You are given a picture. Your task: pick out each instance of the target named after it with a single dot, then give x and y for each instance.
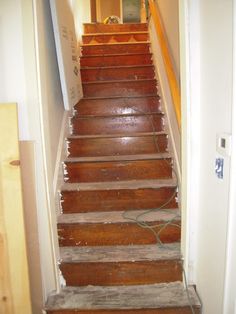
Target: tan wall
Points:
(106, 8)
(169, 10)
(82, 14)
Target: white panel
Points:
(67, 54)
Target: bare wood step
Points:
(116, 146)
(127, 185)
(77, 201)
(165, 298)
(120, 88)
(116, 125)
(105, 28)
(120, 253)
(115, 59)
(118, 105)
(117, 73)
(115, 48)
(115, 37)
(117, 228)
(117, 170)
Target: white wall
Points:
(82, 14)
(213, 52)
(169, 10)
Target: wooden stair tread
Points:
(162, 215)
(120, 253)
(129, 184)
(119, 97)
(115, 33)
(114, 55)
(115, 43)
(123, 297)
(119, 158)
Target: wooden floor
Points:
(120, 225)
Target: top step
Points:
(114, 28)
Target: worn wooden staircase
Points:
(119, 231)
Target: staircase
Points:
(119, 231)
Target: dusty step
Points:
(79, 201)
(115, 48)
(117, 106)
(117, 73)
(119, 88)
(108, 28)
(165, 298)
(116, 146)
(117, 170)
(117, 59)
(113, 37)
(118, 228)
(117, 124)
(121, 265)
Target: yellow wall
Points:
(106, 8)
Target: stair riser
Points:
(104, 74)
(117, 171)
(117, 146)
(97, 234)
(122, 273)
(112, 200)
(117, 106)
(102, 38)
(112, 89)
(117, 125)
(175, 310)
(111, 49)
(116, 60)
(113, 28)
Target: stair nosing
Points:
(116, 33)
(118, 158)
(121, 135)
(120, 81)
(154, 296)
(129, 185)
(118, 97)
(118, 67)
(116, 55)
(115, 217)
(120, 253)
(117, 43)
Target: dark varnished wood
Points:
(117, 170)
(126, 145)
(117, 73)
(116, 125)
(121, 273)
(175, 310)
(120, 88)
(111, 28)
(94, 234)
(115, 37)
(115, 48)
(120, 199)
(115, 59)
(118, 106)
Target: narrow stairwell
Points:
(119, 231)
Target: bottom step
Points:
(156, 299)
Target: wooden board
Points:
(14, 278)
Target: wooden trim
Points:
(174, 86)
(14, 278)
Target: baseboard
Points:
(168, 106)
(61, 155)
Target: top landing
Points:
(114, 28)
